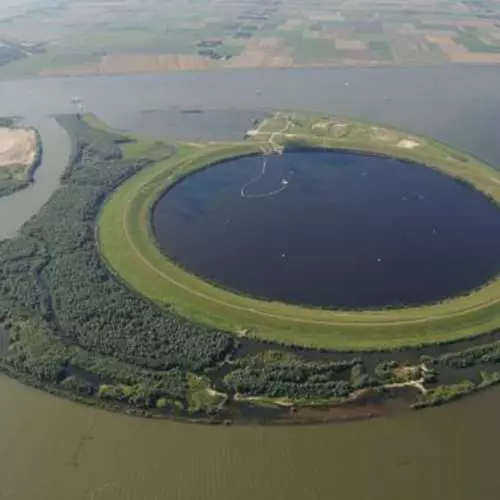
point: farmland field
(75, 38)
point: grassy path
(339, 315)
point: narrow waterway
(17, 208)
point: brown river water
(52, 449)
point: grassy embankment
(127, 244)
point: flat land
(18, 147)
(130, 36)
(128, 246)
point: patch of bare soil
(139, 63)
(408, 143)
(17, 147)
(263, 53)
(311, 415)
(365, 404)
(384, 135)
(124, 63)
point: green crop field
(103, 38)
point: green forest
(51, 275)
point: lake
(51, 449)
(331, 229)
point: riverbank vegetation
(79, 330)
(76, 317)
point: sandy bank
(18, 146)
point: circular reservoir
(331, 229)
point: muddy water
(51, 449)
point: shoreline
(365, 405)
(47, 75)
(261, 311)
(328, 389)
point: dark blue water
(331, 229)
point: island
(94, 309)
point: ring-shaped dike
(127, 244)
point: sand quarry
(17, 147)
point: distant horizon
(47, 38)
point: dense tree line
(479, 355)
(283, 375)
(62, 269)
(49, 362)
(52, 271)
